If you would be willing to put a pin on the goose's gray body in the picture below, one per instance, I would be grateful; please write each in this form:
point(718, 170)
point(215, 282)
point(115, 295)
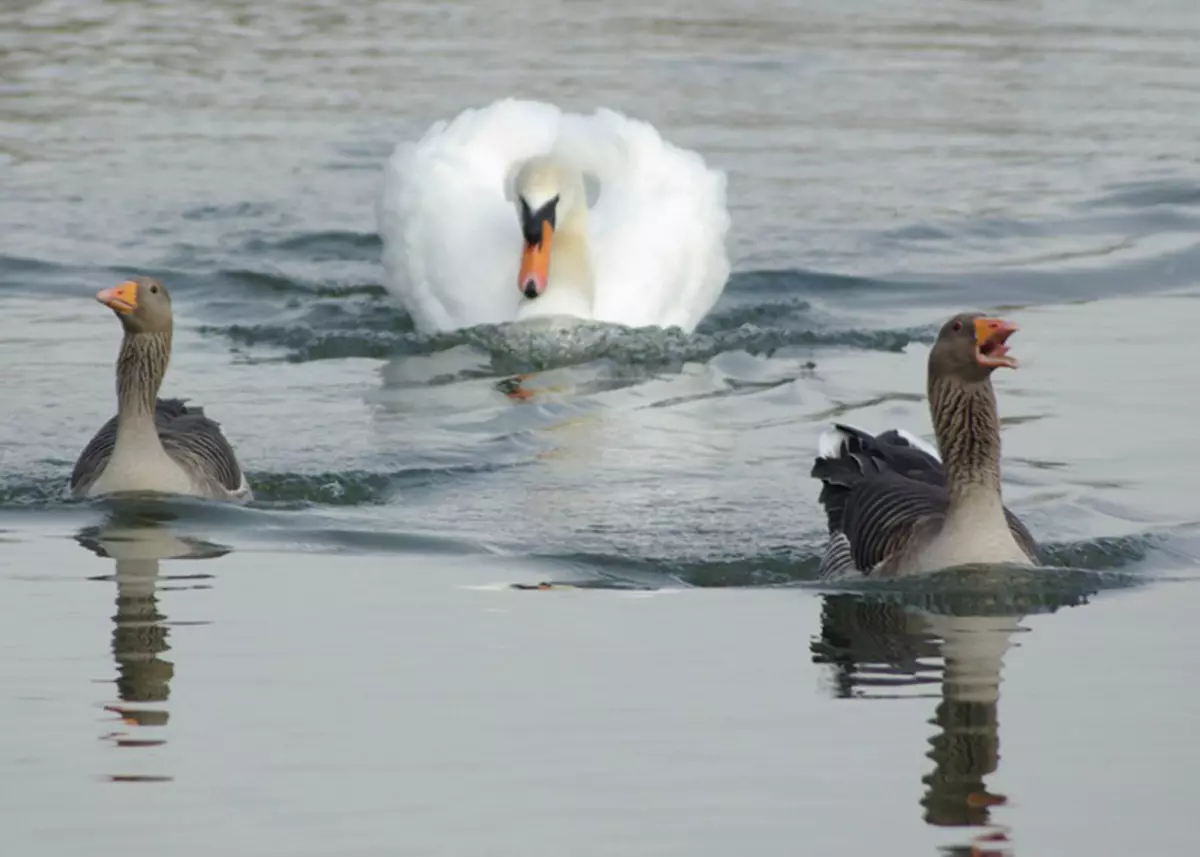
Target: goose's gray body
point(194, 444)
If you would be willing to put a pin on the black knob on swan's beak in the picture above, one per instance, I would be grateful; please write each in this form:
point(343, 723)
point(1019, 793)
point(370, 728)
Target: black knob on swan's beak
point(530, 289)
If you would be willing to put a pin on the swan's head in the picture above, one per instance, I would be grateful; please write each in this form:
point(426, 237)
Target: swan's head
point(141, 303)
point(547, 191)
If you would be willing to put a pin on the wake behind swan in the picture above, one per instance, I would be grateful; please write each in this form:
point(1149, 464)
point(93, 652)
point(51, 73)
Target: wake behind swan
point(485, 220)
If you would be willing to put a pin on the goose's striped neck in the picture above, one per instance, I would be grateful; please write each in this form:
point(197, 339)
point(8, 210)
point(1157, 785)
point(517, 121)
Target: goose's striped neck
point(967, 426)
point(141, 366)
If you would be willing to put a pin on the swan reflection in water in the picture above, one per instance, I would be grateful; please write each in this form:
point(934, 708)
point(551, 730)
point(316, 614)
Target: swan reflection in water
point(137, 540)
point(952, 645)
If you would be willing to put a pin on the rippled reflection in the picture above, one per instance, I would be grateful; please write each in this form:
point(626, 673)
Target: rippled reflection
point(137, 541)
point(950, 647)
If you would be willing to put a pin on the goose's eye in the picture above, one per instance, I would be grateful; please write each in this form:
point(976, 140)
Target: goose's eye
point(154, 290)
point(957, 326)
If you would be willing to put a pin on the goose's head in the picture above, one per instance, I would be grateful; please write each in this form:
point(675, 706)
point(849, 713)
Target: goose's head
point(971, 346)
point(547, 193)
point(141, 303)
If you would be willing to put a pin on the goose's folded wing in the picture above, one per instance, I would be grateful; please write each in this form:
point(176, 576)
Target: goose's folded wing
point(94, 458)
point(885, 516)
point(905, 456)
point(894, 450)
point(199, 445)
point(1024, 538)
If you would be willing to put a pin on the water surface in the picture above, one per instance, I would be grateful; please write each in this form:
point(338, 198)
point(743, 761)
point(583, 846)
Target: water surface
point(345, 668)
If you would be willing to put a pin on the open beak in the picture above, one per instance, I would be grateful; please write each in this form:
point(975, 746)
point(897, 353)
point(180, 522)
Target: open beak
point(991, 334)
point(121, 298)
point(535, 263)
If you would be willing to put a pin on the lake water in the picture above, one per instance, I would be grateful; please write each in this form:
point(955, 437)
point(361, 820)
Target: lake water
point(345, 667)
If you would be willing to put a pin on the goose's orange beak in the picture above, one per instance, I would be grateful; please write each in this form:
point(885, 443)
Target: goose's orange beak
point(121, 298)
point(535, 263)
point(991, 334)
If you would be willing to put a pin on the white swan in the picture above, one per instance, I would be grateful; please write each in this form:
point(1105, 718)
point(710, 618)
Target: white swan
point(458, 206)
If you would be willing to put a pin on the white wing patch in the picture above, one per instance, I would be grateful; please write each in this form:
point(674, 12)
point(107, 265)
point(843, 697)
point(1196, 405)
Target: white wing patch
point(922, 445)
point(831, 443)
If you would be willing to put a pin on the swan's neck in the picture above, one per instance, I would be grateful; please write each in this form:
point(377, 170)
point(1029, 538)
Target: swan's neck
point(571, 262)
point(141, 366)
point(967, 426)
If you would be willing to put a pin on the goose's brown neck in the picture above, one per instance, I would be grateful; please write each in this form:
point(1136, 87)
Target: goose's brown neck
point(141, 366)
point(967, 426)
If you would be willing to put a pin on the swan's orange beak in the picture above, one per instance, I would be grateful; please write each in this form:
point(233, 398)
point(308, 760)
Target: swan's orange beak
point(535, 264)
point(991, 334)
point(121, 298)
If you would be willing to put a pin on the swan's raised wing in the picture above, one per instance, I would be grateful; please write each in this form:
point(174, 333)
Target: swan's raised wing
point(451, 238)
point(658, 226)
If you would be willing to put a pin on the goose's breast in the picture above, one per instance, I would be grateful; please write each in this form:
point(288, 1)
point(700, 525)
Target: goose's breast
point(147, 472)
point(953, 547)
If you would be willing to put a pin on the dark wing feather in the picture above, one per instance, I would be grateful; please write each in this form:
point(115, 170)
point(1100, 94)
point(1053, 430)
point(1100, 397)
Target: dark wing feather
point(862, 457)
point(890, 451)
point(197, 441)
point(885, 513)
point(1024, 538)
point(838, 559)
point(95, 455)
point(169, 409)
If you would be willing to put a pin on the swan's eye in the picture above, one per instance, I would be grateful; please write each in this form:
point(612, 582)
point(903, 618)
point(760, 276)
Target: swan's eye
point(957, 326)
point(154, 290)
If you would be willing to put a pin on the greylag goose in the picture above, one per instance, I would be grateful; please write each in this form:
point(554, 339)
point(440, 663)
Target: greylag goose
point(153, 444)
point(895, 507)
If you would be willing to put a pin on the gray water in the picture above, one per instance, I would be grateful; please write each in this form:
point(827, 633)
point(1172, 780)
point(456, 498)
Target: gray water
point(346, 668)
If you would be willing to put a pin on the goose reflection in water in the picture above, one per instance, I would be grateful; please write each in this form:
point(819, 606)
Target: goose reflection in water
point(137, 541)
point(888, 646)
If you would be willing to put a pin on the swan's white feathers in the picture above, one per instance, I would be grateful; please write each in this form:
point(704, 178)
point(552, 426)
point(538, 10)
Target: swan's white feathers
point(451, 235)
point(658, 226)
